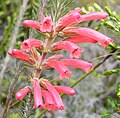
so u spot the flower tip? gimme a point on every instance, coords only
(18, 96)
(66, 74)
(38, 106)
(92, 65)
(88, 68)
(25, 43)
(76, 53)
(107, 42)
(21, 93)
(13, 52)
(61, 108)
(106, 14)
(31, 24)
(72, 92)
(26, 22)
(10, 53)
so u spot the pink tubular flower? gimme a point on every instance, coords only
(46, 25)
(32, 24)
(74, 50)
(21, 93)
(77, 64)
(88, 34)
(65, 89)
(93, 16)
(61, 68)
(81, 39)
(21, 56)
(49, 102)
(37, 93)
(28, 44)
(71, 18)
(55, 95)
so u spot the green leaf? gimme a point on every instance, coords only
(118, 94)
(84, 11)
(117, 57)
(110, 24)
(109, 72)
(112, 46)
(108, 10)
(118, 89)
(105, 114)
(97, 7)
(112, 104)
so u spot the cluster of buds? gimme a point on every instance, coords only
(34, 51)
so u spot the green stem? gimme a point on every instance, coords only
(42, 113)
(86, 74)
(13, 104)
(81, 78)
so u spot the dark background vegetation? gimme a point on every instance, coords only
(97, 94)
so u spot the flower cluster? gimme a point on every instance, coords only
(34, 51)
(46, 96)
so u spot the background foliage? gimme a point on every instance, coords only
(99, 94)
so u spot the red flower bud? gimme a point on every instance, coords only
(21, 93)
(65, 90)
(32, 24)
(21, 56)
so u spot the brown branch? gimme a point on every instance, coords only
(14, 36)
(12, 88)
(108, 56)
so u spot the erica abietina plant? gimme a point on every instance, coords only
(34, 51)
